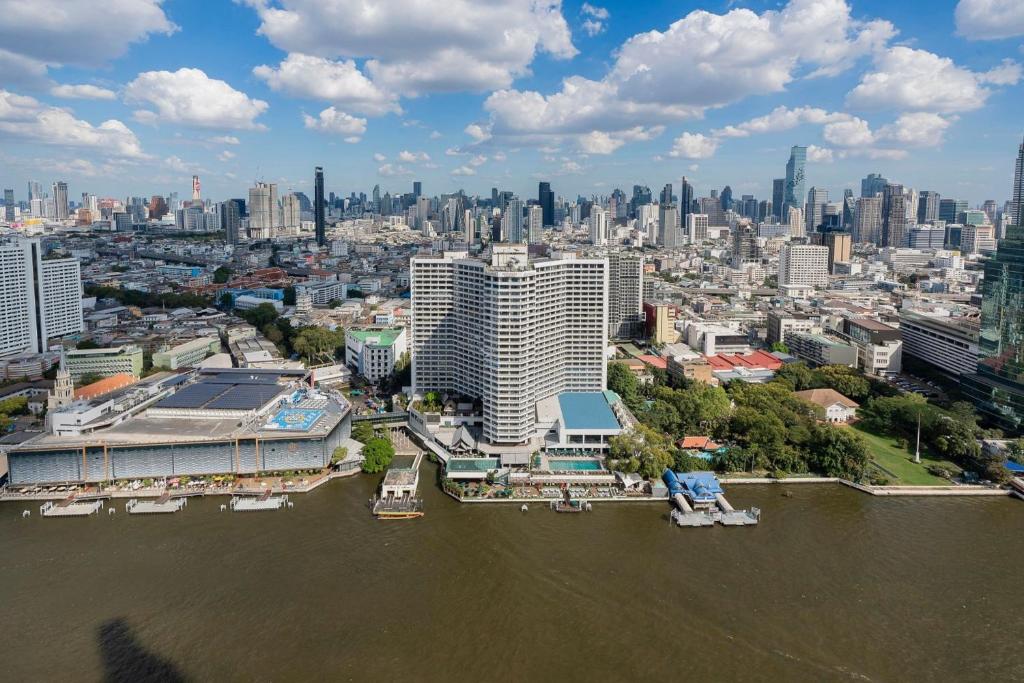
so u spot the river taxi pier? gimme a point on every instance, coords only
(69, 507)
(700, 501)
(165, 504)
(397, 499)
(265, 501)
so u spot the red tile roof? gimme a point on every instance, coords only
(105, 386)
(654, 361)
(758, 360)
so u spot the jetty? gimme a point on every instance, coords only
(69, 507)
(165, 504)
(265, 501)
(567, 504)
(397, 499)
(700, 501)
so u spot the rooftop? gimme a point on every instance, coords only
(586, 410)
(105, 386)
(382, 337)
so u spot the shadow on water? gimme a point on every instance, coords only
(125, 659)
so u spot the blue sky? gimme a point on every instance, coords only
(471, 94)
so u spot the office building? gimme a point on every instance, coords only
(1017, 193)
(120, 360)
(867, 220)
(795, 180)
(508, 332)
(928, 206)
(187, 354)
(546, 199)
(818, 349)
(319, 220)
(894, 215)
(263, 211)
(291, 213)
(231, 220)
(950, 209)
(778, 198)
(879, 347)
(625, 295)
(745, 248)
(840, 248)
(60, 200)
(874, 184)
(685, 200)
(977, 239)
(668, 226)
(817, 198)
(9, 205)
(41, 299)
(660, 319)
(803, 264)
(598, 223)
(373, 353)
(783, 323)
(946, 342)
(535, 224)
(697, 227)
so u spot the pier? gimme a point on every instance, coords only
(162, 505)
(69, 507)
(258, 503)
(700, 501)
(397, 499)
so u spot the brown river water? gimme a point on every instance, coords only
(832, 585)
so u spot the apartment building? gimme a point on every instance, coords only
(508, 331)
(803, 264)
(104, 362)
(625, 295)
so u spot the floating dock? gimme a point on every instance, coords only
(397, 499)
(70, 508)
(162, 505)
(255, 504)
(700, 501)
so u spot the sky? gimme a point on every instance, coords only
(474, 94)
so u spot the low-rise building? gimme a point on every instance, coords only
(187, 355)
(837, 407)
(104, 362)
(817, 349)
(947, 343)
(374, 352)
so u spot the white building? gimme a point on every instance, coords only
(509, 332)
(803, 264)
(696, 227)
(625, 295)
(323, 293)
(535, 223)
(598, 226)
(291, 213)
(263, 214)
(40, 299)
(374, 352)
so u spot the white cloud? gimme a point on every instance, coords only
(190, 97)
(477, 132)
(906, 79)
(569, 167)
(25, 118)
(226, 155)
(596, 19)
(336, 122)
(694, 167)
(82, 92)
(780, 119)
(454, 152)
(990, 19)
(418, 46)
(379, 158)
(499, 156)
(413, 157)
(918, 129)
(819, 155)
(390, 170)
(854, 132)
(478, 160)
(225, 140)
(701, 61)
(339, 82)
(434, 134)
(693, 146)
(464, 171)
(176, 164)
(57, 32)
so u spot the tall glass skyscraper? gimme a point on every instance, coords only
(997, 388)
(795, 179)
(318, 206)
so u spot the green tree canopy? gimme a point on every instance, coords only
(377, 454)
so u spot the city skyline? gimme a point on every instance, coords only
(146, 113)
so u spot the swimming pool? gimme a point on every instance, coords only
(575, 465)
(294, 419)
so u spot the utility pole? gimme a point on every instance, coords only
(917, 451)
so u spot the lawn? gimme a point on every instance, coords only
(898, 461)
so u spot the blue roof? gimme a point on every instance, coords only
(586, 410)
(1014, 467)
(700, 486)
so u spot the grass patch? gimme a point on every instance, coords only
(891, 458)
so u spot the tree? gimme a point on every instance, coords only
(641, 450)
(260, 316)
(226, 300)
(339, 454)
(377, 454)
(796, 375)
(222, 275)
(779, 347)
(318, 344)
(623, 382)
(846, 381)
(273, 333)
(702, 408)
(289, 296)
(87, 344)
(363, 432)
(838, 452)
(662, 417)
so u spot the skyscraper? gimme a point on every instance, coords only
(894, 215)
(795, 179)
(873, 184)
(778, 197)
(1017, 194)
(196, 191)
(867, 220)
(318, 206)
(9, 205)
(666, 194)
(598, 226)
(60, 200)
(625, 294)
(546, 199)
(417, 188)
(263, 210)
(685, 199)
(40, 298)
(726, 198)
(997, 388)
(509, 332)
(927, 206)
(231, 219)
(950, 209)
(817, 198)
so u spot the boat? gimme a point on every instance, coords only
(524, 508)
(396, 514)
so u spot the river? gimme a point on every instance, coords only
(832, 585)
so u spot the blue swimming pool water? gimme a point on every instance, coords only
(582, 464)
(295, 419)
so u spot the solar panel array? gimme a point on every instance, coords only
(222, 396)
